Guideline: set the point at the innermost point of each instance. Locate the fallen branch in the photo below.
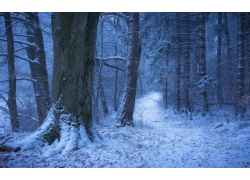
(220, 125)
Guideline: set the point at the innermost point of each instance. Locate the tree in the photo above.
(39, 69)
(126, 108)
(12, 74)
(178, 66)
(201, 59)
(74, 37)
(219, 88)
(240, 107)
(186, 68)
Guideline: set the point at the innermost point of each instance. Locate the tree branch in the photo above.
(20, 42)
(111, 58)
(19, 79)
(109, 65)
(26, 59)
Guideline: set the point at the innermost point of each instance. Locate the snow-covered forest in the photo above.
(114, 89)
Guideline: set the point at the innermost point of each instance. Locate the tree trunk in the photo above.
(229, 58)
(178, 67)
(201, 58)
(70, 120)
(219, 88)
(38, 69)
(12, 74)
(186, 86)
(240, 107)
(126, 108)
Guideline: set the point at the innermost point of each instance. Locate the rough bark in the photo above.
(229, 56)
(186, 86)
(126, 108)
(240, 106)
(74, 37)
(219, 87)
(12, 74)
(178, 66)
(201, 58)
(39, 69)
(69, 123)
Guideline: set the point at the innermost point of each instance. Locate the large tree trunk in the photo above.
(12, 74)
(69, 123)
(201, 58)
(126, 108)
(240, 106)
(38, 69)
(219, 88)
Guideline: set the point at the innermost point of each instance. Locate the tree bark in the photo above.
(69, 123)
(186, 86)
(201, 58)
(39, 69)
(126, 108)
(229, 57)
(178, 67)
(219, 87)
(12, 74)
(240, 107)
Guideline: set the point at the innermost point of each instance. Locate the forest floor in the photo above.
(159, 139)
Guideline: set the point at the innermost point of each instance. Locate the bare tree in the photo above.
(240, 107)
(12, 105)
(126, 108)
(201, 58)
(39, 69)
(219, 34)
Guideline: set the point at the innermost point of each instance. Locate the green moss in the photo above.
(51, 134)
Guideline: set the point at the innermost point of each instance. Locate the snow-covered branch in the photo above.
(20, 42)
(26, 59)
(111, 58)
(19, 79)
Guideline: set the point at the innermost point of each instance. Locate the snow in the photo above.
(159, 139)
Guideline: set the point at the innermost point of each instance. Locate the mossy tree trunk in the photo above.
(74, 36)
(69, 123)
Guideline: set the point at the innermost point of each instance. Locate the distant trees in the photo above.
(11, 102)
(31, 41)
(240, 106)
(39, 68)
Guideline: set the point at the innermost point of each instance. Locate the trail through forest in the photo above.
(160, 138)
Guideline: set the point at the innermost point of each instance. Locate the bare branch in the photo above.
(4, 109)
(20, 42)
(26, 59)
(2, 97)
(109, 65)
(19, 79)
(34, 119)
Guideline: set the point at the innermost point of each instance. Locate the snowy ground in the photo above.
(159, 139)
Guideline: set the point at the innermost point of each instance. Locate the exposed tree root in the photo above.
(62, 136)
